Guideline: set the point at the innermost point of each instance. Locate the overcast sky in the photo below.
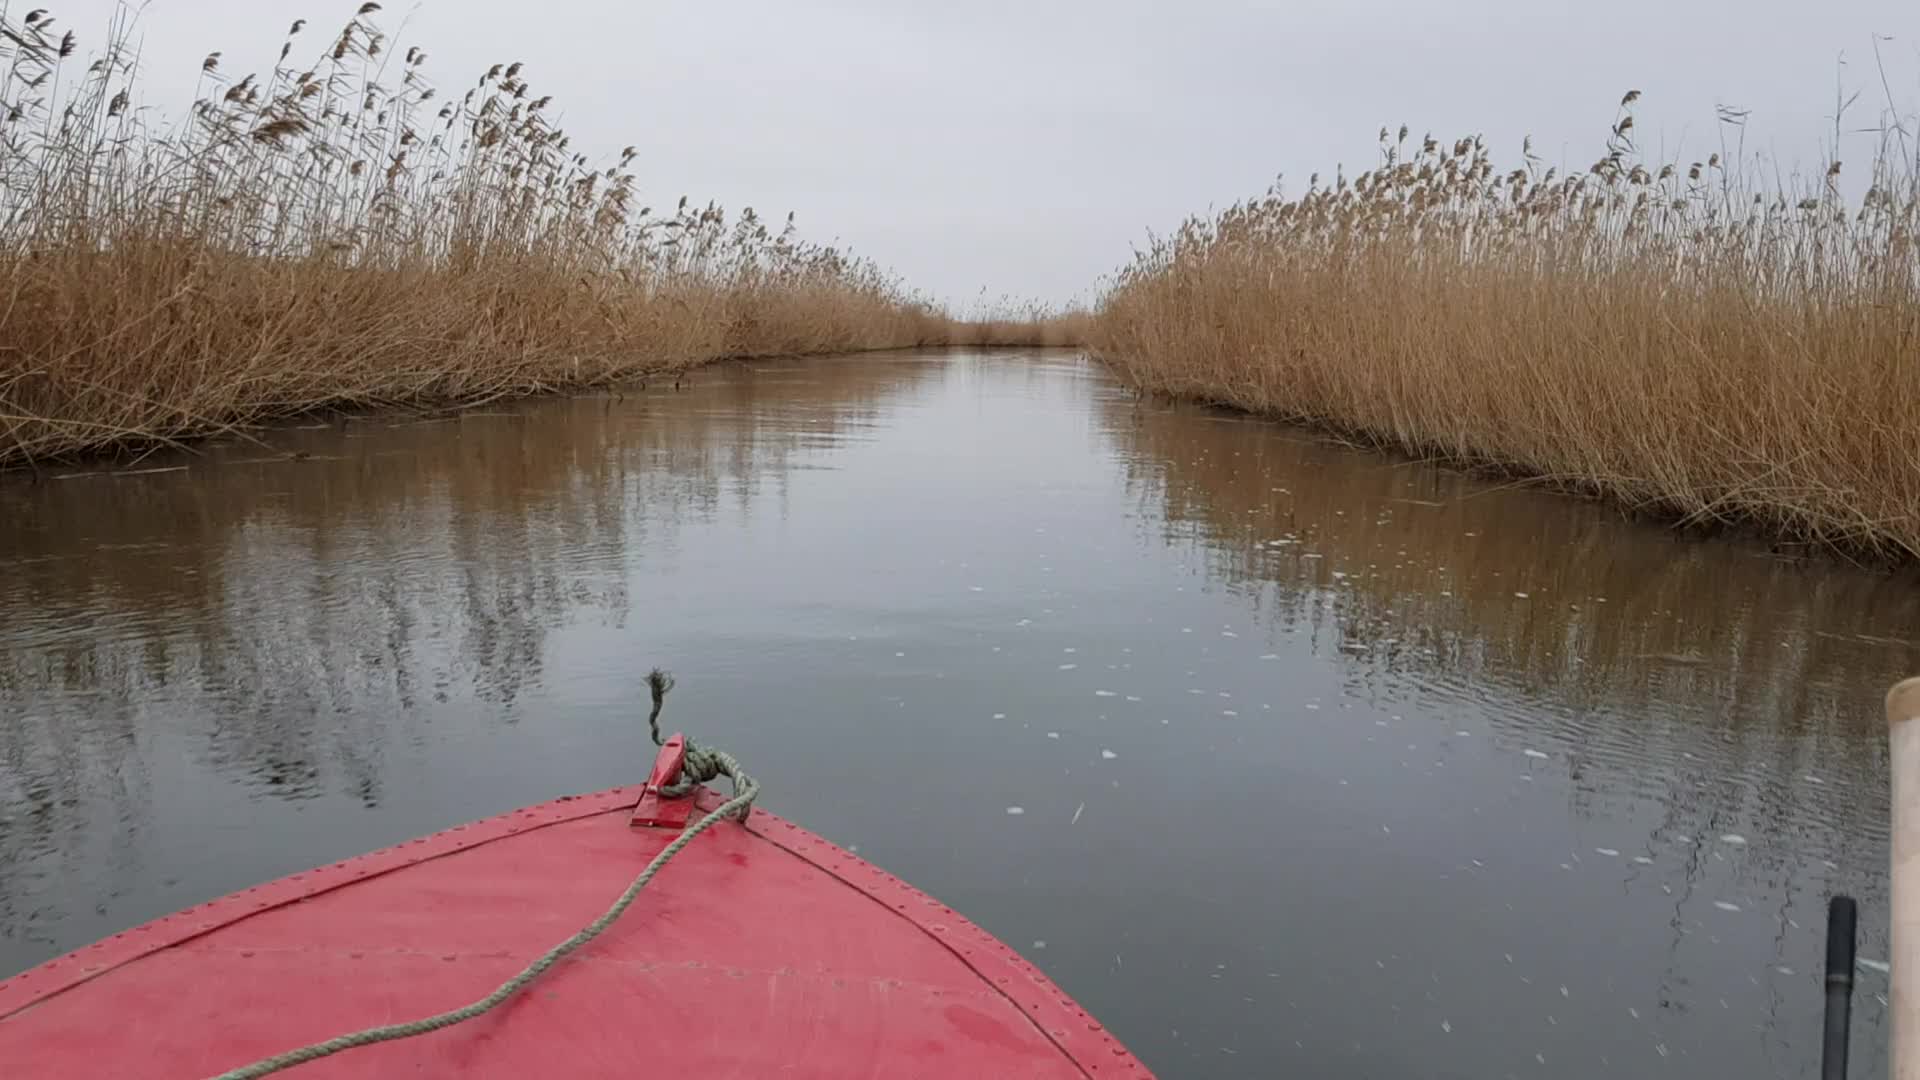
(1026, 148)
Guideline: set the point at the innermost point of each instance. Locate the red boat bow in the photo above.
(760, 950)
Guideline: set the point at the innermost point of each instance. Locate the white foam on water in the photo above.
(999, 716)
(1683, 839)
(1053, 734)
(1446, 1027)
(1077, 811)
(1108, 755)
(1068, 667)
(1735, 839)
(1069, 650)
(975, 588)
(1270, 656)
(1611, 853)
(1228, 712)
(1016, 811)
(1130, 697)
(1784, 969)
(1535, 754)
(1643, 860)
(1104, 693)
(1725, 906)
(899, 654)
(1313, 705)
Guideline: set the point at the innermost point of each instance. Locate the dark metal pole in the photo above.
(1833, 1048)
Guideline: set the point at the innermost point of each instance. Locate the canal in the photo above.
(1284, 757)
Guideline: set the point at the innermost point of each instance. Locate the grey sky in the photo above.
(1024, 148)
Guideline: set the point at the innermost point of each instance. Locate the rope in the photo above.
(702, 764)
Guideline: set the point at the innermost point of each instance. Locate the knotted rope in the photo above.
(701, 765)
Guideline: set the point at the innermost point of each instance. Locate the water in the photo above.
(1327, 764)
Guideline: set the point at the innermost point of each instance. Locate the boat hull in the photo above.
(760, 950)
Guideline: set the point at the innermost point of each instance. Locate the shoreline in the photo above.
(90, 456)
(1724, 523)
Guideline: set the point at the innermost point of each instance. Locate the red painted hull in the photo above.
(761, 950)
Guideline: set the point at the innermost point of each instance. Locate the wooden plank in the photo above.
(1903, 734)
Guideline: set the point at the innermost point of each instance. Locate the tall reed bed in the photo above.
(1012, 322)
(1679, 336)
(341, 231)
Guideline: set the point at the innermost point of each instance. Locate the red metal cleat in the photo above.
(658, 811)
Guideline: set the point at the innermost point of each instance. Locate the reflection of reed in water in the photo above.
(1534, 591)
(69, 795)
(1718, 687)
(285, 623)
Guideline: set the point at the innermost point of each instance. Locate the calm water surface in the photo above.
(1328, 764)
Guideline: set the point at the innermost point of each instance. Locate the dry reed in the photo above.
(340, 233)
(1015, 323)
(1674, 336)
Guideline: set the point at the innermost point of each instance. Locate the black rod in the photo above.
(1833, 1048)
